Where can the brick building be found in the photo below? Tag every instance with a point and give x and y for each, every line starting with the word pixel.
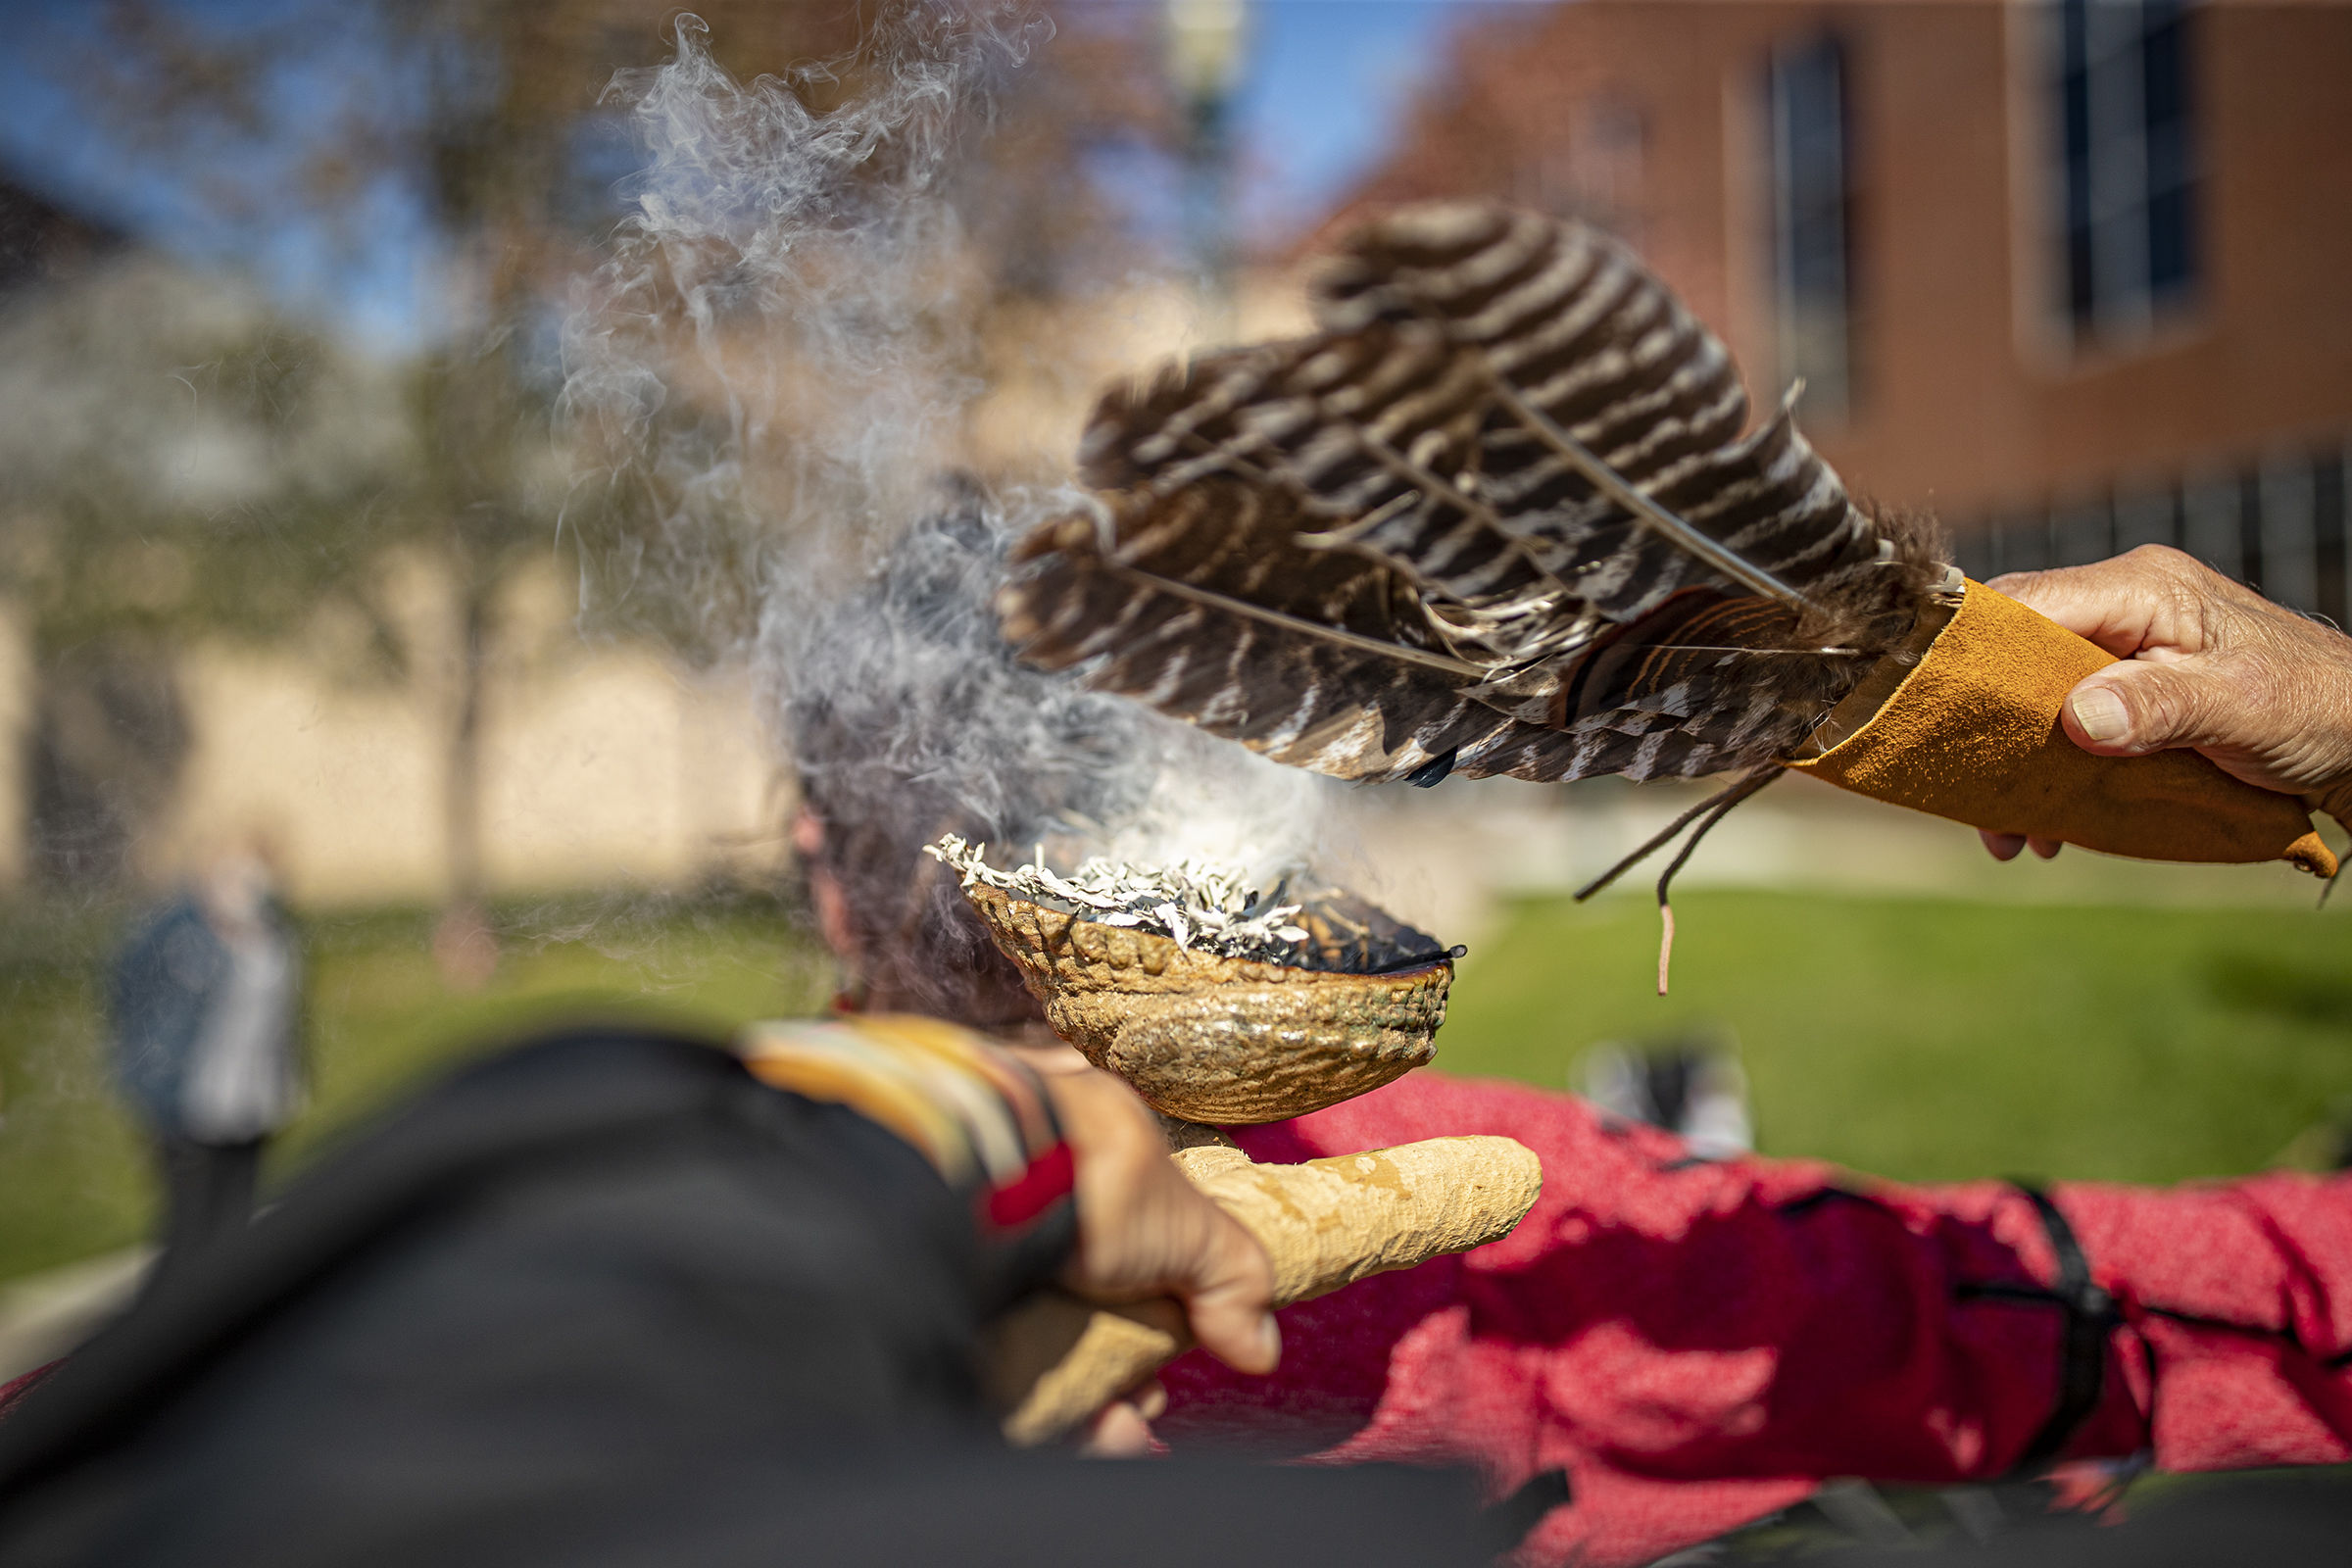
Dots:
pixel 2075 273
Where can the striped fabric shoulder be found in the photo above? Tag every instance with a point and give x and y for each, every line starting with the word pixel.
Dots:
pixel 979 1115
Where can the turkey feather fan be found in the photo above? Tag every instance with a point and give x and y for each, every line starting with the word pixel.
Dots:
pixel 1502 514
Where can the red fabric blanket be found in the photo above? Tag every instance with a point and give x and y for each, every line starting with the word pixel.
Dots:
pixel 1697 1345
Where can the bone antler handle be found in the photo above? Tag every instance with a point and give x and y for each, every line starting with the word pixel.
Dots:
pixel 1055 1361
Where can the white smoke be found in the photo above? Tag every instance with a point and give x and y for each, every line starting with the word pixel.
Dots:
pixel 782 354
pixel 779 350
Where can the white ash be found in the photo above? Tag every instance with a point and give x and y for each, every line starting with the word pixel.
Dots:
pixel 1197 901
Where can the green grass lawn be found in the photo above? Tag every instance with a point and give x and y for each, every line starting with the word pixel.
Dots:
pixel 1912 1038
pixel 1933 1040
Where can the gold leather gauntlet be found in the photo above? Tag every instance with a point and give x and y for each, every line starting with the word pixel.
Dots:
pixel 1969 732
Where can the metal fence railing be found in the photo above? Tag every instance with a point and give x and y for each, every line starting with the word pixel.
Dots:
pixel 2277 524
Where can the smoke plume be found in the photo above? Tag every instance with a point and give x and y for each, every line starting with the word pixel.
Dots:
pixel 777 364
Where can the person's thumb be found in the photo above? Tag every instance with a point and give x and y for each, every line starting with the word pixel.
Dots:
pixel 1229 1298
pixel 2137 707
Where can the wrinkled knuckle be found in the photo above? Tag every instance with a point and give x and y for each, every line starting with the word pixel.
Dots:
pixel 2159 712
pixel 2181 599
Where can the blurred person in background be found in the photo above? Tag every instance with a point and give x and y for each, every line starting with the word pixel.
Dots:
pixel 205 1006
pixel 1694 1087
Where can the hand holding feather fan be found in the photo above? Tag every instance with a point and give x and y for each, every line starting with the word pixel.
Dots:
pixel 1504 514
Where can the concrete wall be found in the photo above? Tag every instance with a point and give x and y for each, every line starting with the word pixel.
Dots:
pixel 599 764
pixel 612 765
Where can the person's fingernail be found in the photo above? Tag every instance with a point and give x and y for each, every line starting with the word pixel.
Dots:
pixel 1269 1340
pixel 2100 713
pixel 1119 1432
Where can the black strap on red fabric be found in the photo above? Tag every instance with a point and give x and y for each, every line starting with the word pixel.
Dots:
pixel 2090 1318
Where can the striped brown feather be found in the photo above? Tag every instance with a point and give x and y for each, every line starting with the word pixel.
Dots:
pixel 1430 535
pixel 1573 324
pixel 1080 598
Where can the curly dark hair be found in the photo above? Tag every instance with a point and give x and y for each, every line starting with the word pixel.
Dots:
pixel 907 717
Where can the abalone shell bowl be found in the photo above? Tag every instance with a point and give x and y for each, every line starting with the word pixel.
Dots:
pixel 1229 1041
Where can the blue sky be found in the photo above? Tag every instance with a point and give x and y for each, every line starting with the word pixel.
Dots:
pixel 1325 87
pixel 1328 83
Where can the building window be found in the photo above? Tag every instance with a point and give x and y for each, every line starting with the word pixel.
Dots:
pixel 1812 269
pixel 2128 165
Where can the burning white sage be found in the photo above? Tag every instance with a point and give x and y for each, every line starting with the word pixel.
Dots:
pixel 1199 904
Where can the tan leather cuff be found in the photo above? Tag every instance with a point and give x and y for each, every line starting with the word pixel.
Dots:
pixel 1971 733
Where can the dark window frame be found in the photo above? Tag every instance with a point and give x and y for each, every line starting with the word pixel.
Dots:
pixel 2127 178
pixel 1810 188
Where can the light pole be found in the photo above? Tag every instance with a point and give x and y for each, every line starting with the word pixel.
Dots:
pixel 1205 42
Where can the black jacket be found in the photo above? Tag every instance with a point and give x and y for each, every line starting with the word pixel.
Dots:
pixel 608 1300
